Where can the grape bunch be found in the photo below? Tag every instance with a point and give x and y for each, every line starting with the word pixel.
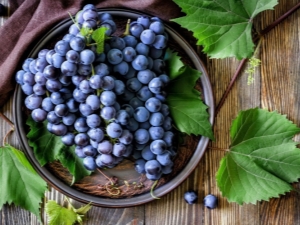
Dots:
pixel 111 104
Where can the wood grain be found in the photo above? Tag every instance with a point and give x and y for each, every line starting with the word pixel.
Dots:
pixel 276 87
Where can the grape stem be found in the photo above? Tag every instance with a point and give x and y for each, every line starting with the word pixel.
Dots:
pixel 126 32
pixel 243 61
pixel 152 190
pixel 12 127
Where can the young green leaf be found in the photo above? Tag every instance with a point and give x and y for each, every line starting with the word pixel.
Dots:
pixel 186 107
pixel 47 147
pixel 99 37
pixel 59 215
pixel 19 182
pixel 223 27
pixel 68 216
pixel 263 159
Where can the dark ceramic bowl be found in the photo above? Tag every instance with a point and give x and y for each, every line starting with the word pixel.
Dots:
pixel 92 188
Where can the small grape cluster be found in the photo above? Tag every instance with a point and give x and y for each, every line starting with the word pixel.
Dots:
pixel 110 105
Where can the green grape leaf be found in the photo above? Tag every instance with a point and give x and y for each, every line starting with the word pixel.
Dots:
pixel 174 64
pixel 85 31
pixel 99 37
pixel 59 215
pixel 19 182
pixel 48 147
pixel 223 27
pixel 186 107
pixel 263 159
pixel 68 216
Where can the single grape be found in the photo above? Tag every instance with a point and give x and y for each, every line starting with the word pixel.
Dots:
pixel 93 101
pixel 79 152
pixel 84 70
pixel 108 112
pixel 93 120
pixel 140 62
pixel 85 109
pixel 61 110
pixel 72 56
pixel 119 149
pixel 133 84
pixel 142 49
pixel 114 56
pixel 132 124
pixel 148 37
pixel 62 47
pixel 87 57
pixel 68 139
pixel 147 154
pixel 117 42
pixel 81 139
pixel 95 81
pixel 156 133
pixel 165 159
pixel 77 43
pixel 114 130
pixel 156 119
pixel 102 69
pixel 139 165
pixel 108 83
pixel 53 118
pixel 38 115
pixel 122 117
pixel 96 134
pixel 136 102
pixel 121 68
pixel 158 146
pixel 72 105
pixel 119 87
pixel 153 167
pixel 57 60
pixel 28 78
pixel 141 136
pixel 59 129
pixel 39 89
pixel 126 137
pixel 79 96
pixel 69 119
pixel 33 101
pixel 85 87
pixel 108 98
pixel 27 89
pixel 191 197
pixel 56 98
pixel 105 147
pixel 129 54
pixel 160 42
pixel 89 150
pixel 106 159
pixel 130 41
pixel 144 94
pixel 141 114
pixel 136 29
pixel 156 85
pixel 69 69
pixel 210 201
pixel 47 104
pixel 80 124
pixel 89 163
pixel 144 20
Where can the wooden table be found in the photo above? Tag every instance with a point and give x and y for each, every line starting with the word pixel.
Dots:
pixel 276 87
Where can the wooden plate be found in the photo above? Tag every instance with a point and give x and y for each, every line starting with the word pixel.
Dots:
pixel 133 188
